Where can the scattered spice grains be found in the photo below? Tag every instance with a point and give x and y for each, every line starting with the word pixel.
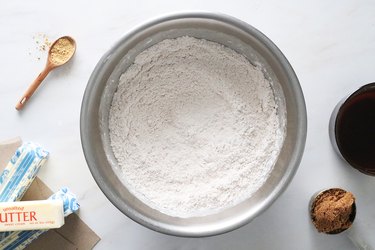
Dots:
pixel 41 44
pixel 333 211
pixel 62 50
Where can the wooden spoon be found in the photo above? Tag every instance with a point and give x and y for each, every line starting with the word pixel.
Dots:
pixel 60 52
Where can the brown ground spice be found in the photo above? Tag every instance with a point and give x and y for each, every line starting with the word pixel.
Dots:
pixel 61 51
pixel 333 211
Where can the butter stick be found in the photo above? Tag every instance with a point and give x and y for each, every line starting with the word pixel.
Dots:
pixel 21 170
pixel 30 215
pixel 17 240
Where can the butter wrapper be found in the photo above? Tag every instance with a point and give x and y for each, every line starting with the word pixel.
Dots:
pixel 20 239
pixel 21 171
pixel 29 215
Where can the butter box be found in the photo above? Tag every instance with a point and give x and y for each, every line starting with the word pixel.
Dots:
pixel 31 215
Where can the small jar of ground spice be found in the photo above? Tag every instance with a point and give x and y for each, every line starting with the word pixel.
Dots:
pixel 333 210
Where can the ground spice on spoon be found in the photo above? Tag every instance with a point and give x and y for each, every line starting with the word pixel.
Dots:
pixel 62 51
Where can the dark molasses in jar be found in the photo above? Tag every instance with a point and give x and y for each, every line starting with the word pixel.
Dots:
pixel 355 129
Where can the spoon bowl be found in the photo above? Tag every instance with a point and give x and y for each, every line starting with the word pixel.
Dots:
pixel 61 51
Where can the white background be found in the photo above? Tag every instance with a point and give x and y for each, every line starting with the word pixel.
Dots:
pixel 330 45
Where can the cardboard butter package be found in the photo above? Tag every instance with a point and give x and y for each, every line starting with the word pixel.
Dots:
pixel 75 234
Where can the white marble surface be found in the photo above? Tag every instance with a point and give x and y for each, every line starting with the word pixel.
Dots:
pixel 330 44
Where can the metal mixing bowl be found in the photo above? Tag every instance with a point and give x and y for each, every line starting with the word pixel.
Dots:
pixel 103 82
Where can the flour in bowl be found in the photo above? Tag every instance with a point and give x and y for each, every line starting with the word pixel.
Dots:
pixel 195 127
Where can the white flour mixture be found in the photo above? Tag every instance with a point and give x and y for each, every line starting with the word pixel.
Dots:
pixel 195 127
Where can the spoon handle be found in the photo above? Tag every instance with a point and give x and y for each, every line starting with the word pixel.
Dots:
pixel 355 234
pixel 30 91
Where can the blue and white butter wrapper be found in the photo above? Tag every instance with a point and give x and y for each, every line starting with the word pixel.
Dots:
pixel 18 240
pixel 21 171
pixel 69 200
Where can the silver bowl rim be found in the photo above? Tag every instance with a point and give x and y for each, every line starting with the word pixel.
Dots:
pixel 296 154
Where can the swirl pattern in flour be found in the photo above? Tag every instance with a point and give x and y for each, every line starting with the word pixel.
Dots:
pixel 194 126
